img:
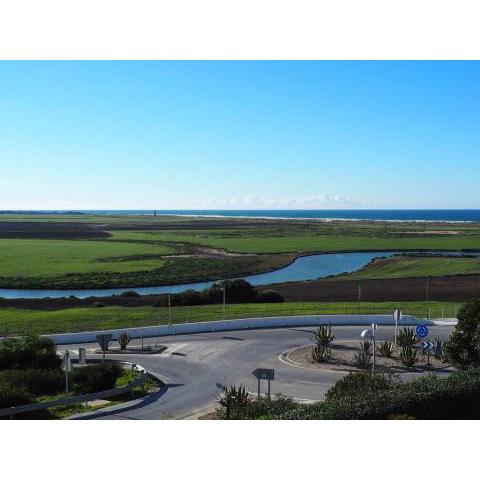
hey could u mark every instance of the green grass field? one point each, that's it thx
(35, 258)
(247, 242)
(132, 255)
(402, 267)
(22, 321)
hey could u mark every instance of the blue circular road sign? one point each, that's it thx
(421, 331)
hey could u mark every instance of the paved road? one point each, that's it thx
(193, 364)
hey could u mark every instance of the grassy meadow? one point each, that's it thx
(22, 321)
(403, 267)
(146, 250)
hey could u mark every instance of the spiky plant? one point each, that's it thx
(323, 338)
(323, 335)
(438, 350)
(123, 340)
(233, 400)
(321, 354)
(363, 358)
(386, 349)
(406, 337)
(409, 356)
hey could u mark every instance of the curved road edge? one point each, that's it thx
(245, 324)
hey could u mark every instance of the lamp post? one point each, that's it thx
(224, 288)
(169, 312)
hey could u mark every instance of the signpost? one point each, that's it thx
(264, 374)
(397, 316)
(66, 367)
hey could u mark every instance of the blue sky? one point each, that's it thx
(105, 135)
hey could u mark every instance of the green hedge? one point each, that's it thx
(456, 397)
(95, 378)
(429, 398)
(28, 352)
(37, 382)
(13, 396)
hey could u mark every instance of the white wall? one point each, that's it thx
(242, 324)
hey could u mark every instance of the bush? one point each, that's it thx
(408, 356)
(130, 293)
(13, 396)
(269, 296)
(36, 382)
(406, 337)
(386, 349)
(28, 352)
(95, 378)
(123, 340)
(98, 304)
(463, 348)
(359, 384)
(234, 400)
(426, 398)
(323, 338)
(363, 358)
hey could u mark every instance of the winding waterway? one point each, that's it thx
(309, 267)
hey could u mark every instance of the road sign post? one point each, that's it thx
(264, 374)
(66, 367)
(374, 327)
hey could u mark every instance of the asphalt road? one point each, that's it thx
(192, 365)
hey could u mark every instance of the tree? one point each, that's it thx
(463, 348)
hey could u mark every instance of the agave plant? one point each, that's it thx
(409, 356)
(323, 338)
(386, 349)
(233, 400)
(123, 340)
(323, 335)
(438, 350)
(406, 337)
(363, 358)
(321, 354)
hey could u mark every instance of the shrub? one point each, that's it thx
(130, 293)
(323, 338)
(95, 378)
(36, 382)
(363, 358)
(426, 398)
(98, 304)
(386, 349)
(406, 337)
(13, 396)
(408, 356)
(463, 347)
(28, 352)
(234, 400)
(123, 340)
(359, 383)
(269, 296)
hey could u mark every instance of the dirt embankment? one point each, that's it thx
(449, 288)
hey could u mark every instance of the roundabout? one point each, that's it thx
(193, 364)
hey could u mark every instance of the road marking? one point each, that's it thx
(171, 349)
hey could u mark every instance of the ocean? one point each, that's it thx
(385, 215)
(398, 215)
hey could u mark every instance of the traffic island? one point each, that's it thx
(345, 357)
(146, 350)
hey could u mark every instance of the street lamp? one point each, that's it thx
(224, 301)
